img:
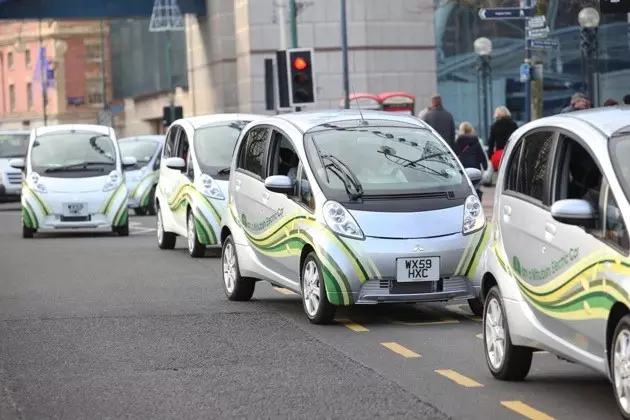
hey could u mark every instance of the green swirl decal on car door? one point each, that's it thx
(472, 254)
(142, 192)
(207, 217)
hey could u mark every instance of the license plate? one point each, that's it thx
(417, 269)
(75, 209)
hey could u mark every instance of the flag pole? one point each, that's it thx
(43, 74)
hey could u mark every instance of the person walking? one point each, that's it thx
(579, 101)
(470, 152)
(441, 120)
(500, 132)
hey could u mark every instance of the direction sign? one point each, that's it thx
(543, 44)
(536, 22)
(504, 13)
(538, 33)
(525, 72)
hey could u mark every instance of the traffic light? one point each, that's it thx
(301, 76)
(166, 112)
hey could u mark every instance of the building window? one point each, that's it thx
(12, 98)
(93, 52)
(95, 91)
(27, 58)
(29, 95)
(10, 60)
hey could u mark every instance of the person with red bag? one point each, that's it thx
(500, 132)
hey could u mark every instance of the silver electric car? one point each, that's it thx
(555, 272)
(350, 207)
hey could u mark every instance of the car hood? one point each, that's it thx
(415, 225)
(74, 185)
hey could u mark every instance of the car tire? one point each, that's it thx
(619, 358)
(516, 361)
(195, 248)
(476, 306)
(317, 308)
(150, 209)
(166, 240)
(140, 211)
(237, 288)
(27, 233)
(122, 230)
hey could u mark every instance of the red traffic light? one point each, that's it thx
(300, 63)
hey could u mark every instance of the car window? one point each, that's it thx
(511, 176)
(214, 145)
(614, 227)
(13, 145)
(577, 174)
(533, 164)
(252, 154)
(283, 159)
(142, 150)
(183, 147)
(169, 145)
(619, 149)
(304, 189)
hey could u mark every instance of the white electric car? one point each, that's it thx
(73, 179)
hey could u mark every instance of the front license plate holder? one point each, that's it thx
(75, 209)
(396, 288)
(417, 269)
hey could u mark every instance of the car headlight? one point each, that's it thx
(340, 221)
(210, 188)
(33, 182)
(113, 181)
(474, 218)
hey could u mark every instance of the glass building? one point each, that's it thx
(458, 24)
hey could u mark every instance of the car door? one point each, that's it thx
(168, 177)
(578, 176)
(181, 178)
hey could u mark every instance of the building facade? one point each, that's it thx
(391, 48)
(71, 75)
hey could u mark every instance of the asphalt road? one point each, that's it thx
(95, 326)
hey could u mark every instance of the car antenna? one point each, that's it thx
(358, 106)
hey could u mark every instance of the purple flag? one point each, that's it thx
(43, 70)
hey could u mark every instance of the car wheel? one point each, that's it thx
(505, 361)
(166, 240)
(620, 366)
(476, 306)
(151, 207)
(27, 233)
(122, 230)
(195, 248)
(314, 299)
(140, 211)
(236, 287)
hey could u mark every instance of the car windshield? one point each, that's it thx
(13, 145)
(73, 154)
(142, 150)
(214, 146)
(619, 154)
(382, 160)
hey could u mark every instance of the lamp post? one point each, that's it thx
(483, 49)
(589, 22)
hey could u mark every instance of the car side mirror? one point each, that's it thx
(280, 184)
(475, 175)
(574, 212)
(176, 163)
(128, 162)
(18, 163)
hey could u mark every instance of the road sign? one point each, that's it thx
(543, 44)
(538, 33)
(504, 13)
(525, 72)
(536, 22)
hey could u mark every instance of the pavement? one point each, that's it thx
(97, 326)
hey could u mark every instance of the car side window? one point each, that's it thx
(578, 175)
(183, 148)
(169, 145)
(283, 159)
(614, 227)
(252, 154)
(158, 161)
(533, 164)
(512, 168)
(304, 189)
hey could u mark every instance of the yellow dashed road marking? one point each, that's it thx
(285, 291)
(459, 378)
(352, 325)
(403, 351)
(445, 321)
(525, 410)
(480, 336)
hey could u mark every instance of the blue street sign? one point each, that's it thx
(543, 44)
(525, 72)
(504, 13)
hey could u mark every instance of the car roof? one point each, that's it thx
(609, 119)
(305, 121)
(78, 127)
(202, 120)
(156, 137)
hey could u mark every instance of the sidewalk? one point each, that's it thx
(487, 200)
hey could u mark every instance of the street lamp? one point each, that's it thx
(483, 49)
(589, 20)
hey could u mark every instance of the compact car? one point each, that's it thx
(13, 145)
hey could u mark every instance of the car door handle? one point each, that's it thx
(237, 184)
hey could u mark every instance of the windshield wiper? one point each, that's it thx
(414, 164)
(224, 171)
(346, 175)
(83, 166)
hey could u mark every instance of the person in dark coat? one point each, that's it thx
(500, 131)
(610, 102)
(626, 99)
(441, 120)
(469, 151)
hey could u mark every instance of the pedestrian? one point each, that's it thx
(500, 132)
(441, 120)
(610, 102)
(579, 101)
(470, 152)
(626, 99)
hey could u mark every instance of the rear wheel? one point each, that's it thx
(140, 211)
(151, 207)
(195, 248)
(122, 230)
(27, 232)
(166, 240)
(620, 366)
(314, 299)
(236, 287)
(476, 306)
(506, 361)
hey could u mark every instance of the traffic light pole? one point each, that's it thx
(294, 34)
(344, 51)
(169, 77)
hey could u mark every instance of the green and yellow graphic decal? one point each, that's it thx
(472, 254)
(207, 217)
(115, 206)
(142, 192)
(32, 204)
(585, 291)
(287, 235)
